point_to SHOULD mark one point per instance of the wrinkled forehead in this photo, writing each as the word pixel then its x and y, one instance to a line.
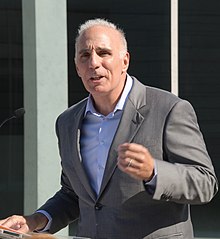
pixel 99 36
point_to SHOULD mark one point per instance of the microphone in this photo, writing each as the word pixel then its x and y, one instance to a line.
pixel 17 114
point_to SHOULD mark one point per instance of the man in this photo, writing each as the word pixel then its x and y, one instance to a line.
pixel 133 157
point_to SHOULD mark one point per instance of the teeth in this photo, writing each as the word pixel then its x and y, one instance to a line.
pixel 96 77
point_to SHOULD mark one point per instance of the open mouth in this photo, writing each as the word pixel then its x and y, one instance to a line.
pixel 96 78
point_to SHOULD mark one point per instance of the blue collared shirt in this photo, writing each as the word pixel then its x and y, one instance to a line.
pixel 97 133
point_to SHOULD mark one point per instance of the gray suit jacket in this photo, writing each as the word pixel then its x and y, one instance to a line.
pixel 125 209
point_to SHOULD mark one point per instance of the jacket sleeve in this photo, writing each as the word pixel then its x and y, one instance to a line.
pixel 186 175
pixel 63 206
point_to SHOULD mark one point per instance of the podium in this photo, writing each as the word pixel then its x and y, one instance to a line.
pixel 7 233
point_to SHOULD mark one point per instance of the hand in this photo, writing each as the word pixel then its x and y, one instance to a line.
pixel 135 160
pixel 25 224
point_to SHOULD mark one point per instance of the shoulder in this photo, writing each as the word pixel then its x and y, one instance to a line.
pixel 160 102
pixel 153 97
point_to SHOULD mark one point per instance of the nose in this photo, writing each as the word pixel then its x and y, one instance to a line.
pixel 94 61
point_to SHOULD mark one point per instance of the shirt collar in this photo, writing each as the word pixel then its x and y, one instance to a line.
pixel 128 85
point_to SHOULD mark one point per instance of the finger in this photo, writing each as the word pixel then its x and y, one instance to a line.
pixel 127 165
pixel 2 221
pixel 130 163
pixel 132 150
pixel 133 147
pixel 126 154
pixel 14 222
pixel 24 228
pixel 123 162
pixel 131 171
pixel 124 157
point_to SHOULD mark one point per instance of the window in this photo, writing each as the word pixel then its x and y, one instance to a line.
pixel 11 98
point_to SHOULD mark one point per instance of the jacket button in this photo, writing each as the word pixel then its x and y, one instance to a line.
pixel 98 206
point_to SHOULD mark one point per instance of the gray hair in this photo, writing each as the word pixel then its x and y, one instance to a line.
pixel 101 22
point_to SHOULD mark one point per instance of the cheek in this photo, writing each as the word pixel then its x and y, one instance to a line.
pixel 114 67
pixel 80 69
pixel 80 72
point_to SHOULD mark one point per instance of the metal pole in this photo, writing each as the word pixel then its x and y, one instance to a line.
pixel 174 47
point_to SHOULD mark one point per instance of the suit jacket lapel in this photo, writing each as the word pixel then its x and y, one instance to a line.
pixel 78 166
pixel 130 123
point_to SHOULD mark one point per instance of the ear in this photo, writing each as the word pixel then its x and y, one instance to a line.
pixel 126 60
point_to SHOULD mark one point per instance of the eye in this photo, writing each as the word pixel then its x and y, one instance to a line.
pixel 104 53
pixel 85 55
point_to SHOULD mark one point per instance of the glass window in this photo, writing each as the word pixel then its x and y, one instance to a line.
pixel 11 98
pixel 199 54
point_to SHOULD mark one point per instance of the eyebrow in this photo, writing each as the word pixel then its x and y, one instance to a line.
pixel 104 49
pixel 83 51
pixel 97 49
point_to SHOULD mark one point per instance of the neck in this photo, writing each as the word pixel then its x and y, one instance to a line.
pixel 105 106
pixel 106 103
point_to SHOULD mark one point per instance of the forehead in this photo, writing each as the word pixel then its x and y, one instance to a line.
pixel 99 36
